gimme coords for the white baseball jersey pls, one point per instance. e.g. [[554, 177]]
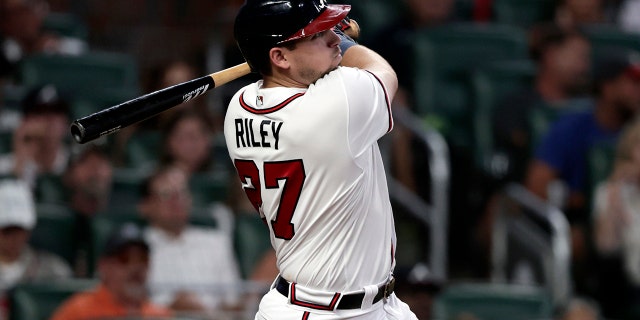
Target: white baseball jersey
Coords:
[[309, 162]]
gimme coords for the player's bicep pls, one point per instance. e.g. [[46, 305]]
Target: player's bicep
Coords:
[[369, 110]]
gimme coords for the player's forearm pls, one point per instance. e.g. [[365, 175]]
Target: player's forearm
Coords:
[[364, 58]]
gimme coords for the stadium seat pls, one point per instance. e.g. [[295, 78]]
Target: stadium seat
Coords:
[[604, 37], [12, 96], [6, 142], [50, 189], [38, 300], [54, 231], [251, 240], [523, 13], [444, 58], [65, 24], [126, 188], [143, 148], [463, 9], [92, 71], [491, 301], [490, 85], [207, 188], [373, 15], [99, 79]]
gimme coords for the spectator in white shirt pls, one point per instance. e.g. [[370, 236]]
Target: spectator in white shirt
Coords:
[[193, 269]]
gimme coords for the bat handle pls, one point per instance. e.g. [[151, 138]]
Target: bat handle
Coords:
[[230, 74]]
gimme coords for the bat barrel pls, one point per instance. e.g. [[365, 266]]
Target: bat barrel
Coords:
[[125, 114]]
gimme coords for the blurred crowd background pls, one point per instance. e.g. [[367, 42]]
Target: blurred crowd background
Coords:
[[514, 164]]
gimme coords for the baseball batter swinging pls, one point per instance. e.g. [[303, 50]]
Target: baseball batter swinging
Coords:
[[304, 143]]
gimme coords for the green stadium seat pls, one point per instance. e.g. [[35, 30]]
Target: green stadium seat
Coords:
[[143, 149], [125, 190], [49, 188], [373, 15], [491, 84], [604, 37], [251, 240], [91, 71], [490, 301], [524, 13], [6, 142], [54, 231], [444, 59], [39, 300], [464, 9], [207, 188], [12, 96], [98, 79], [65, 24]]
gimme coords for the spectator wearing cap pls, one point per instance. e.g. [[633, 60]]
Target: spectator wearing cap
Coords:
[[40, 141], [122, 291], [561, 157], [19, 262]]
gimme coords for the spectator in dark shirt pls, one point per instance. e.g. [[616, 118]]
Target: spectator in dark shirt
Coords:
[[563, 65]]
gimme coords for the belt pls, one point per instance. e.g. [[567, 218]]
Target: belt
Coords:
[[348, 301]]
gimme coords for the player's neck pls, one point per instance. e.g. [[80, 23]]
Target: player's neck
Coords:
[[275, 81]]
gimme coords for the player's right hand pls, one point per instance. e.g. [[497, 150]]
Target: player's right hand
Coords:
[[349, 27]]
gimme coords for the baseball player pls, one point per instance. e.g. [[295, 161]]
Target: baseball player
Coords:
[[303, 140]]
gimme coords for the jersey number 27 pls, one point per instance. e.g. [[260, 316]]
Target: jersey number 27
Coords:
[[293, 175]]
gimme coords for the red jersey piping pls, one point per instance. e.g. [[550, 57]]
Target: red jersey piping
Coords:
[[275, 108]]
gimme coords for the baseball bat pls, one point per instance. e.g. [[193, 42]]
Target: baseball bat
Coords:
[[112, 119]]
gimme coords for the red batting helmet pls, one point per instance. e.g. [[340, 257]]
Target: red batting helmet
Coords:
[[263, 24]]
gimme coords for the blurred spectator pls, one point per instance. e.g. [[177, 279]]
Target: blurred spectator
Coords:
[[187, 143], [562, 77], [40, 143], [19, 262], [168, 74], [561, 158], [22, 32], [189, 264], [88, 179], [88, 182], [572, 14], [122, 291], [171, 73], [617, 225]]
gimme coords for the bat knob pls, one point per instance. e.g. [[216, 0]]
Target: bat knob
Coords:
[[77, 132]]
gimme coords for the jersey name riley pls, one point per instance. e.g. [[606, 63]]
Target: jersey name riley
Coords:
[[264, 134]]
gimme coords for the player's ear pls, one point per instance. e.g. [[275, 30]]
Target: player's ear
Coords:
[[278, 57]]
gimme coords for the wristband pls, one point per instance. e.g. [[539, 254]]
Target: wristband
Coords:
[[345, 41]]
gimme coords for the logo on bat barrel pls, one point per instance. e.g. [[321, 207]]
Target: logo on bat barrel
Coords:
[[195, 93]]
